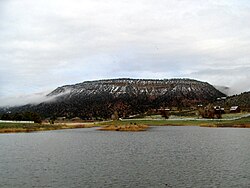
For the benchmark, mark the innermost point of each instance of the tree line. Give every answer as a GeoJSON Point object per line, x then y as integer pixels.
{"type": "Point", "coordinates": [22, 116]}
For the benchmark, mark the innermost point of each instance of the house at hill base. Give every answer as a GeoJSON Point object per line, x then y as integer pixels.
{"type": "Point", "coordinates": [235, 109]}
{"type": "Point", "coordinates": [164, 112]}
{"type": "Point", "coordinates": [76, 119]}
{"type": "Point", "coordinates": [61, 118]}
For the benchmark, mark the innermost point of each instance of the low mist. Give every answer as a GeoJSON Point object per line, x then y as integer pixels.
{"type": "Point", "coordinates": [35, 98]}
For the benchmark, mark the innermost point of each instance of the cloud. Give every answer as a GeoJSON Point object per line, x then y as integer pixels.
{"type": "Point", "coordinates": [46, 44]}
{"type": "Point", "coordinates": [37, 98]}
{"type": "Point", "coordinates": [237, 78]}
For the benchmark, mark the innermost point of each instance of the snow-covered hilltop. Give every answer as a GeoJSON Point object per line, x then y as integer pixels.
{"type": "Point", "coordinates": [135, 87]}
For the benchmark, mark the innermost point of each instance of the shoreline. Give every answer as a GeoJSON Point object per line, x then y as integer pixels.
{"type": "Point", "coordinates": [26, 128]}
{"type": "Point", "coordinates": [131, 125]}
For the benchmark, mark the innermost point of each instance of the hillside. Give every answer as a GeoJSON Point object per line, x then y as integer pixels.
{"type": "Point", "coordinates": [126, 96]}
{"type": "Point", "coordinates": [242, 100]}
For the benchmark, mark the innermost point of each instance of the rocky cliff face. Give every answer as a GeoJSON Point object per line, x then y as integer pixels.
{"type": "Point", "coordinates": [127, 96]}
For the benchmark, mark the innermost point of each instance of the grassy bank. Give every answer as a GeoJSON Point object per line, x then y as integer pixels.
{"type": "Point", "coordinates": [30, 127]}
{"type": "Point", "coordinates": [242, 122]}
{"type": "Point", "coordinates": [117, 126]}
{"type": "Point", "coordinates": [239, 123]}
{"type": "Point", "coordinates": [157, 122]}
{"type": "Point", "coordinates": [125, 125]}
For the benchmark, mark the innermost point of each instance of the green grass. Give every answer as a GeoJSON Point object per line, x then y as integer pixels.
{"type": "Point", "coordinates": [26, 127]}
{"type": "Point", "coordinates": [29, 127]}
{"type": "Point", "coordinates": [17, 125]}
{"type": "Point", "coordinates": [206, 123]}
{"type": "Point", "coordinates": [242, 122]}
{"type": "Point", "coordinates": [154, 122]}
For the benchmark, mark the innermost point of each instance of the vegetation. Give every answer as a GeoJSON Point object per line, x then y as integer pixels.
{"type": "Point", "coordinates": [125, 125]}
{"type": "Point", "coordinates": [242, 100]}
{"type": "Point", "coordinates": [157, 122]}
{"type": "Point", "coordinates": [22, 116]}
{"type": "Point", "coordinates": [30, 127]}
{"type": "Point", "coordinates": [154, 118]}
{"type": "Point", "coordinates": [242, 122]}
{"type": "Point", "coordinates": [239, 123]}
{"type": "Point", "coordinates": [210, 112]}
{"type": "Point", "coordinates": [115, 126]}
{"type": "Point", "coordinates": [115, 116]}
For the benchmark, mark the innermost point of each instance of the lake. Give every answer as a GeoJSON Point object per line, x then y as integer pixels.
{"type": "Point", "coordinates": [161, 157]}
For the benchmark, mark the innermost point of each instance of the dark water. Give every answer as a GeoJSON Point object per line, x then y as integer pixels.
{"type": "Point", "coordinates": [160, 157]}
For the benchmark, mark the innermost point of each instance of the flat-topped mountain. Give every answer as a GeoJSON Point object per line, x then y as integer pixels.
{"type": "Point", "coordinates": [136, 87]}
{"type": "Point", "coordinates": [126, 96]}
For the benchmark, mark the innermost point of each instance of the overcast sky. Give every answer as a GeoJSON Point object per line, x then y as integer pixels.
{"type": "Point", "coordinates": [48, 43]}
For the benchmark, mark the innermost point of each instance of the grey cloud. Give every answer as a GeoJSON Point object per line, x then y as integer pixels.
{"type": "Point", "coordinates": [45, 44]}
{"type": "Point", "coordinates": [236, 78]}
{"type": "Point", "coordinates": [36, 98]}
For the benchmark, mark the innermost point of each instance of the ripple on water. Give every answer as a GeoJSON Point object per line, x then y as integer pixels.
{"type": "Point", "coordinates": [160, 157]}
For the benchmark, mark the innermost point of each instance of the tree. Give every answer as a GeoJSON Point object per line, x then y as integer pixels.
{"type": "Point", "coordinates": [115, 116]}
{"type": "Point", "coordinates": [52, 119]}
{"type": "Point", "coordinates": [36, 118]}
{"type": "Point", "coordinates": [209, 112]}
{"type": "Point", "coordinates": [6, 116]}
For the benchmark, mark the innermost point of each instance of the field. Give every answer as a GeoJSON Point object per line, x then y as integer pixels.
{"type": "Point", "coordinates": [30, 127]}
{"type": "Point", "coordinates": [243, 122]}
{"type": "Point", "coordinates": [227, 121]}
